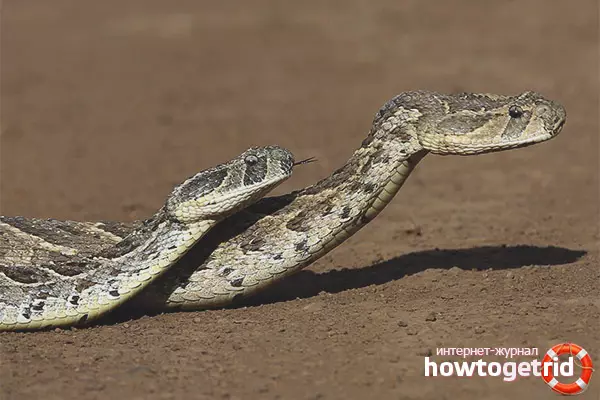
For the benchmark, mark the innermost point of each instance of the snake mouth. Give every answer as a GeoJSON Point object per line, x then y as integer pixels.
{"type": "Point", "coordinates": [559, 126]}
{"type": "Point", "coordinates": [459, 145]}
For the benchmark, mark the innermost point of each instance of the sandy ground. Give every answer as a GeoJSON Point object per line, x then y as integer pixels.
{"type": "Point", "coordinates": [107, 104]}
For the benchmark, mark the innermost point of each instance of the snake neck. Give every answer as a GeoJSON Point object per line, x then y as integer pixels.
{"type": "Point", "coordinates": [352, 196]}
{"type": "Point", "coordinates": [392, 185]}
{"type": "Point", "coordinates": [372, 176]}
{"type": "Point", "coordinates": [145, 232]}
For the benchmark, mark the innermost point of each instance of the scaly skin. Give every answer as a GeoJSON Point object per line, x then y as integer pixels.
{"type": "Point", "coordinates": [44, 282]}
{"type": "Point", "coordinates": [279, 236]}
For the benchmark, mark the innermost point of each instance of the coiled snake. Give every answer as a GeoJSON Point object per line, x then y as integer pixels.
{"type": "Point", "coordinates": [56, 273]}
{"type": "Point", "coordinates": [259, 245]}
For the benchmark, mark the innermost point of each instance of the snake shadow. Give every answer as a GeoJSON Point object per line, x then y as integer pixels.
{"type": "Point", "coordinates": [306, 283]}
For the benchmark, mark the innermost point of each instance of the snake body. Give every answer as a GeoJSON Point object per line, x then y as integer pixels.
{"type": "Point", "coordinates": [278, 236]}
{"type": "Point", "coordinates": [57, 273]}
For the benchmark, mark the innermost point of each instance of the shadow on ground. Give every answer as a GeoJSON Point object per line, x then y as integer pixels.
{"type": "Point", "coordinates": [306, 284]}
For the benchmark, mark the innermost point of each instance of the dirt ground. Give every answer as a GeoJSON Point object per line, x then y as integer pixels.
{"type": "Point", "coordinates": [105, 105]}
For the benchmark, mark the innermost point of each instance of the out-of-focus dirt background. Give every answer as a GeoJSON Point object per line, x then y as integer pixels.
{"type": "Point", "coordinates": [105, 105]}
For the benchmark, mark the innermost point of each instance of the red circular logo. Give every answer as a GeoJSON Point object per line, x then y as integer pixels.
{"type": "Point", "coordinates": [581, 384]}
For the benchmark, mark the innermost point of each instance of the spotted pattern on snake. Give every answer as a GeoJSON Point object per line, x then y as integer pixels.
{"type": "Point", "coordinates": [279, 236]}
{"type": "Point", "coordinates": [60, 273]}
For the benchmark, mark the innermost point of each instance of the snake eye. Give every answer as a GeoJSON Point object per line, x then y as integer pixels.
{"type": "Point", "coordinates": [251, 160]}
{"type": "Point", "coordinates": [515, 111]}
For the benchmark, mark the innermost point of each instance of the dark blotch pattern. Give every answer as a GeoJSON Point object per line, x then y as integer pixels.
{"type": "Point", "coordinates": [253, 245]}
{"type": "Point", "coordinates": [256, 172]}
{"type": "Point", "coordinates": [22, 274]}
{"type": "Point", "coordinates": [202, 183]}
{"type": "Point", "coordinates": [345, 212]}
{"type": "Point", "coordinates": [83, 284]}
{"type": "Point", "coordinates": [62, 233]}
{"type": "Point", "coordinates": [43, 292]}
{"type": "Point", "coordinates": [327, 209]}
{"type": "Point", "coordinates": [369, 188]}
{"type": "Point", "coordinates": [464, 123]}
{"type": "Point", "coordinates": [72, 265]}
{"type": "Point", "coordinates": [237, 282]}
{"type": "Point", "coordinates": [49, 230]}
{"type": "Point", "coordinates": [472, 102]}
{"type": "Point", "coordinates": [298, 223]}
{"type": "Point", "coordinates": [301, 246]}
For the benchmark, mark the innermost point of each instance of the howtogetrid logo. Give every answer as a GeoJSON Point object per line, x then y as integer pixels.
{"type": "Point", "coordinates": [550, 369]}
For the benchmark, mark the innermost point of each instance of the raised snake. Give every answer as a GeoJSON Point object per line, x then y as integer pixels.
{"type": "Point", "coordinates": [277, 236]}
{"type": "Point", "coordinates": [59, 273]}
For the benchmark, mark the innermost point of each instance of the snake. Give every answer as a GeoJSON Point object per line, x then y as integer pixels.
{"type": "Point", "coordinates": [62, 273]}
{"type": "Point", "coordinates": [275, 237]}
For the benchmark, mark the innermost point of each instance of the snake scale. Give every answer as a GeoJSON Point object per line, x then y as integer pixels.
{"type": "Point", "coordinates": [45, 263]}
{"type": "Point", "coordinates": [58, 273]}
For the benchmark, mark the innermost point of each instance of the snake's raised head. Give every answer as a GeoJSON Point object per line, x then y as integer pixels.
{"type": "Point", "coordinates": [226, 188]}
{"type": "Point", "coordinates": [467, 123]}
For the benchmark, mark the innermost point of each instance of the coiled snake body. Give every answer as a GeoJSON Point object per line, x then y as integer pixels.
{"type": "Point", "coordinates": [278, 236]}
{"type": "Point", "coordinates": [57, 273]}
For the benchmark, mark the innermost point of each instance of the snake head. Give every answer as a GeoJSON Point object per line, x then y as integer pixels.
{"type": "Point", "coordinates": [229, 187]}
{"type": "Point", "coordinates": [468, 124]}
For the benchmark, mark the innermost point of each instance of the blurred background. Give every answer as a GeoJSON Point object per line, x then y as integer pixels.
{"type": "Point", "coordinates": [106, 105]}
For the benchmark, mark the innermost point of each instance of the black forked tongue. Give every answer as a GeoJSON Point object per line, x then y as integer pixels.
{"type": "Point", "coordinates": [305, 161]}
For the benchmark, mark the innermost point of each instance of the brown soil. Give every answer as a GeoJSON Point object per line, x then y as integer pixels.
{"type": "Point", "coordinates": [107, 104]}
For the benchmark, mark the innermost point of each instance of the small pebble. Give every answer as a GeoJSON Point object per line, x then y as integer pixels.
{"type": "Point", "coordinates": [313, 307]}
{"type": "Point", "coordinates": [402, 324]}
{"type": "Point", "coordinates": [431, 317]}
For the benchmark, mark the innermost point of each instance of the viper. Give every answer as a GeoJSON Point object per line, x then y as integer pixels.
{"type": "Point", "coordinates": [60, 273]}
{"type": "Point", "coordinates": [255, 247]}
